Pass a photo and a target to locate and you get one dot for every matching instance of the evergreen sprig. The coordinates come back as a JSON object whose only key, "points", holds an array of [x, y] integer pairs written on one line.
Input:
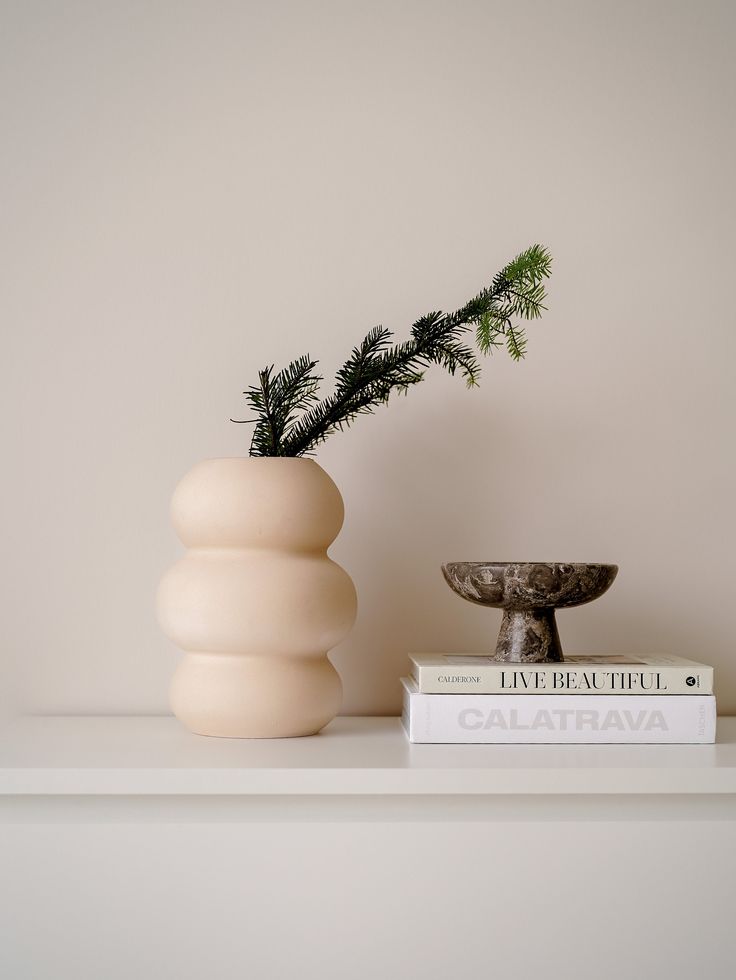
{"points": [[277, 399], [290, 420]]}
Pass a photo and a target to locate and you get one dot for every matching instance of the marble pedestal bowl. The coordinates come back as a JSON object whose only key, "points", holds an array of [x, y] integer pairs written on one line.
{"points": [[528, 593]]}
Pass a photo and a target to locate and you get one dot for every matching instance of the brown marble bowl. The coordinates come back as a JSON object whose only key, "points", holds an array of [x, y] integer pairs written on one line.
{"points": [[529, 593]]}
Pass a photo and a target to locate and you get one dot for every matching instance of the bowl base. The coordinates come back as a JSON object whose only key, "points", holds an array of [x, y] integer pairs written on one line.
{"points": [[529, 637]]}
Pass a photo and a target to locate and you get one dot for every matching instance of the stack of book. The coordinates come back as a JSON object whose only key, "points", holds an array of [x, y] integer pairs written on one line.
{"points": [[458, 698]]}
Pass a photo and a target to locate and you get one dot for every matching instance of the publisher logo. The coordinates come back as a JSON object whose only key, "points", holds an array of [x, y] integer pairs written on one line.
{"points": [[691, 681]]}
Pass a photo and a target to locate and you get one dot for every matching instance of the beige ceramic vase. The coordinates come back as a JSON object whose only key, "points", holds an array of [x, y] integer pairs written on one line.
{"points": [[256, 603]]}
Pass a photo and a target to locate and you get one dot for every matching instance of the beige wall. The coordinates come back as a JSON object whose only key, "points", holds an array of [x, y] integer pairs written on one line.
{"points": [[191, 191]]}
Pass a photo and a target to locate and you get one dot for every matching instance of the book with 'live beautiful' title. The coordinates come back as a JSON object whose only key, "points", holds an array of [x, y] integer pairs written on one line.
{"points": [[438, 673]]}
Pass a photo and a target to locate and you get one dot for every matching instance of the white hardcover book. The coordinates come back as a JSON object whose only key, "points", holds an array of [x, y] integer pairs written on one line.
{"points": [[556, 718], [438, 673]]}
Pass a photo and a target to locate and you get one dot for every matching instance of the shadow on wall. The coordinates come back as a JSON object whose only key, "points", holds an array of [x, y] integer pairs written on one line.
{"points": [[415, 498]]}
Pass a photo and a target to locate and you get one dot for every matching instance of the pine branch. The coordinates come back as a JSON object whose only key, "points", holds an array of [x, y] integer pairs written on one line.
{"points": [[290, 421], [358, 392], [277, 400], [515, 342], [518, 291]]}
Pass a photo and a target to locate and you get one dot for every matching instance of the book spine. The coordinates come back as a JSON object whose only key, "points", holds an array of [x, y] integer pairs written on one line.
{"points": [[570, 719], [563, 679]]}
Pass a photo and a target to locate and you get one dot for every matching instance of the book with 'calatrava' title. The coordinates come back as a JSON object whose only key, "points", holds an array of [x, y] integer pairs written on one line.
{"points": [[437, 673], [557, 718]]}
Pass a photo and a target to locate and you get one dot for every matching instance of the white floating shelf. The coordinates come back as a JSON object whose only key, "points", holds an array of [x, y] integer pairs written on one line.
{"points": [[109, 756]]}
